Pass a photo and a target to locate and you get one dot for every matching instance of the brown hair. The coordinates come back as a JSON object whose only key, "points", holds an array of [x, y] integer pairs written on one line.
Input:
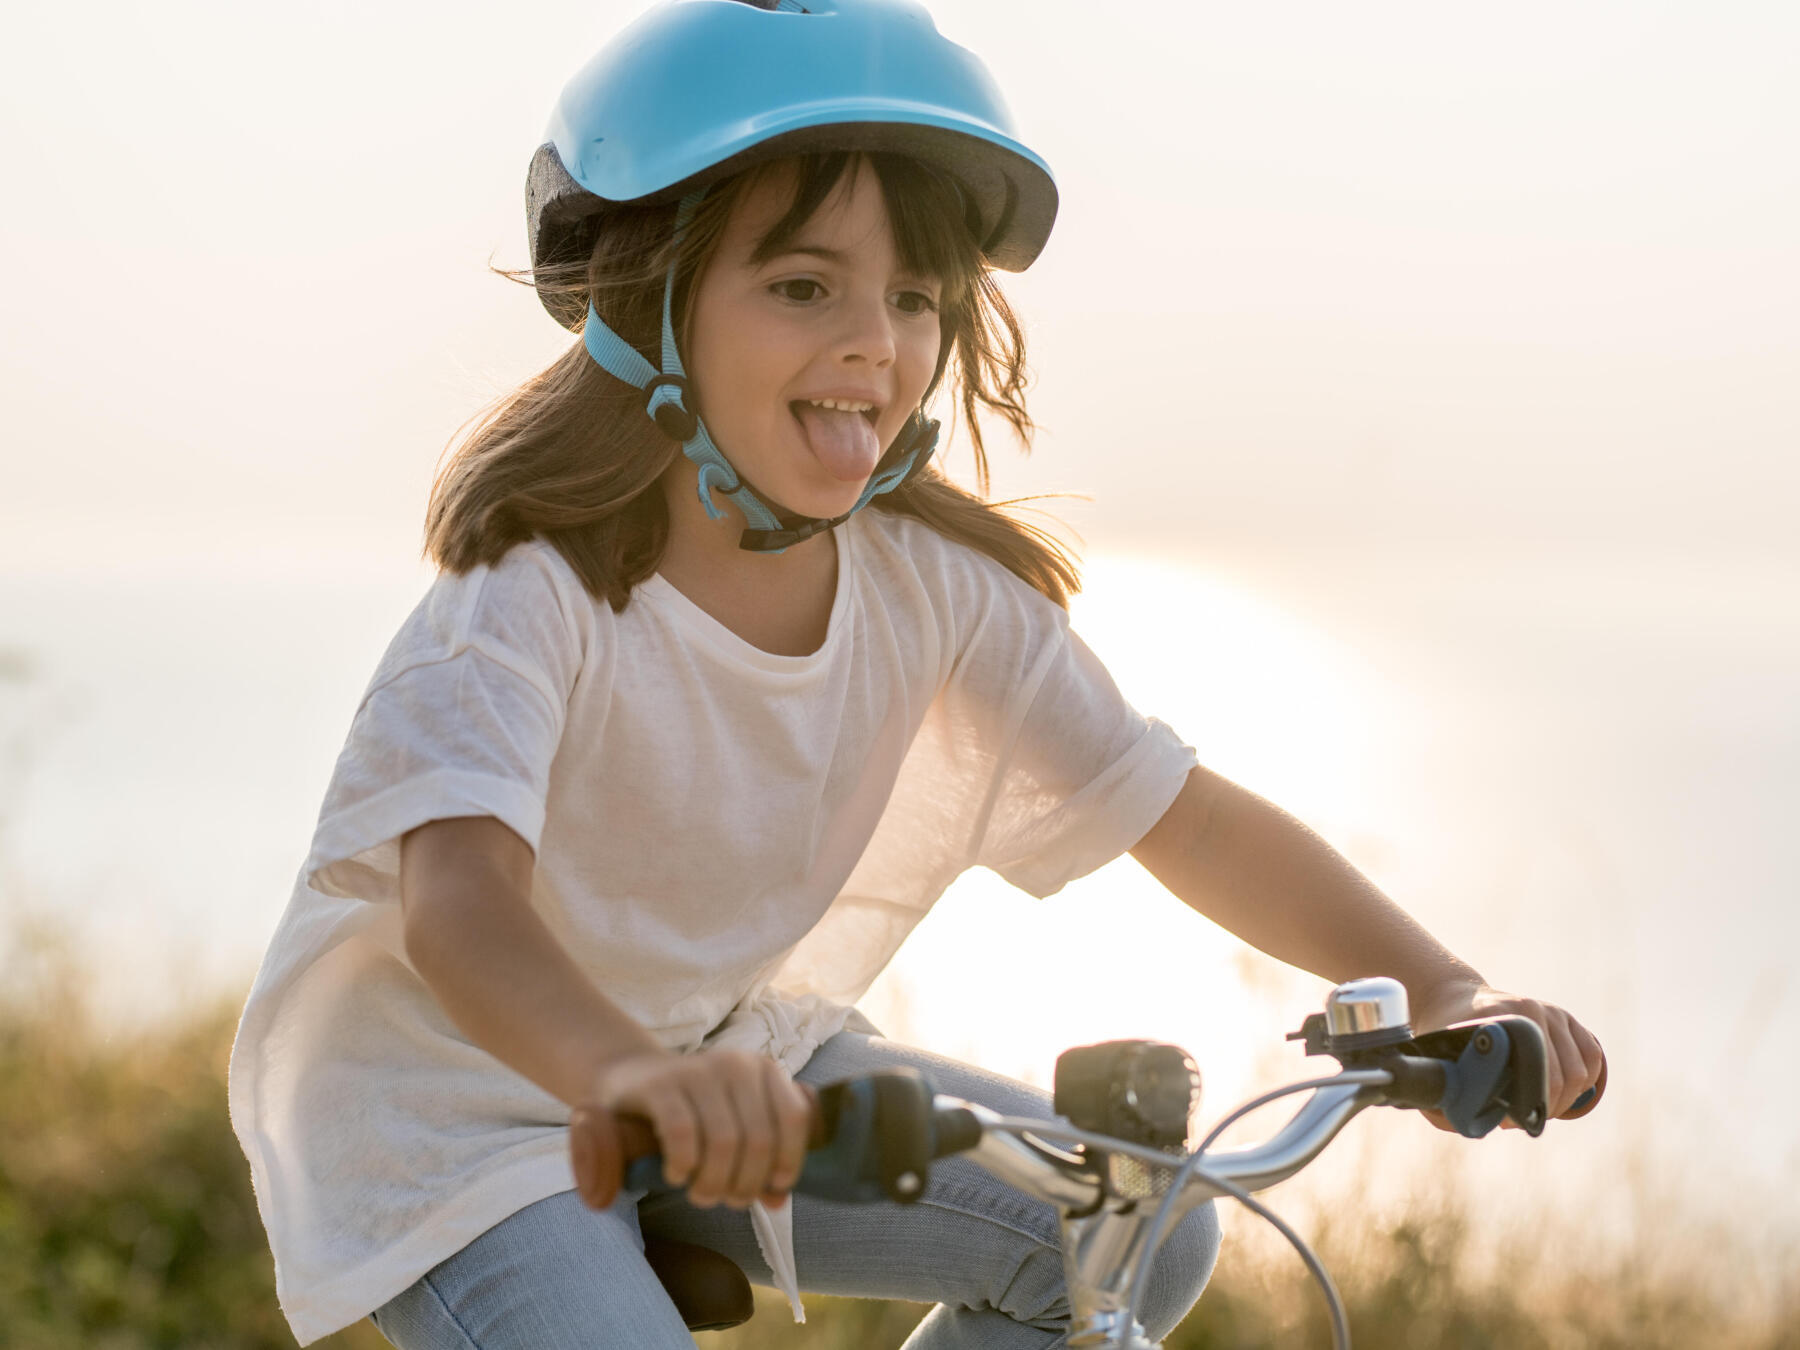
{"points": [[570, 457]]}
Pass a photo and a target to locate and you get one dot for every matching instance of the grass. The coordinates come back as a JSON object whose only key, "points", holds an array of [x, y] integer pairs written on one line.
{"points": [[1417, 1284], [127, 1223]]}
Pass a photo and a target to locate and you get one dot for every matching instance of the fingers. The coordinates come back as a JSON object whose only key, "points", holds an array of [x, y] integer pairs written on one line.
{"points": [[673, 1114], [1575, 1058], [1566, 1072], [1599, 1090], [773, 1116], [739, 1129], [1573, 1061], [793, 1109], [720, 1139], [1586, 1067], [732, 1127], [595, 1156], [752, 1088]]}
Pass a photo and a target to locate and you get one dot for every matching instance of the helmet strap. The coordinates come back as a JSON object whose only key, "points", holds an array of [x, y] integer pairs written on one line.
{"points": [[908, 455], [770, 529]]}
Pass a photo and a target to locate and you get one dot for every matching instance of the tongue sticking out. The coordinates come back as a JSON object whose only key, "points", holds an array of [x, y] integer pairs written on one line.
{"points": [[844, 442]]}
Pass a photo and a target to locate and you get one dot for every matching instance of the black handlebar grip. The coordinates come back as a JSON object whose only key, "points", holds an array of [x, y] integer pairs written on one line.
{"points": [[954, 1130], [1417, 1082]]}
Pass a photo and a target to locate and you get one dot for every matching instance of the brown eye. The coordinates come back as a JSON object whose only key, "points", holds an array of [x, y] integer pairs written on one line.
{"points": [[926, 304], [782, 286]]}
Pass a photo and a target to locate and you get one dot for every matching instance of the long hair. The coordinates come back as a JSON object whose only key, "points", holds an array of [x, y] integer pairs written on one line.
{"points": [[569, 456]]}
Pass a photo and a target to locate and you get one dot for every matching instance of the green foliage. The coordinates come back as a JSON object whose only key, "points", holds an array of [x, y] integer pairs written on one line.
{"points": [[126, 1217], [127, 1223]]}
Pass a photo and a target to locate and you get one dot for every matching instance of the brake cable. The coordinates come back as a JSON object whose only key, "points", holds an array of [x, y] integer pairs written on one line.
{"points": [[1340, 1326]]}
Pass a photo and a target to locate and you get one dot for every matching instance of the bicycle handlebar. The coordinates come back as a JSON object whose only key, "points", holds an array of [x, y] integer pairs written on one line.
{"points": [[875, 1137]]}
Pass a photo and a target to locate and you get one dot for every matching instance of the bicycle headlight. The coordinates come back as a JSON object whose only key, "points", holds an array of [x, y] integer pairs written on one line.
{"points": [[1141, 1091]]}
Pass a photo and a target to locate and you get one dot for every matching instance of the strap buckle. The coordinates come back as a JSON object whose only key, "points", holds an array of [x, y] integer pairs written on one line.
{"points": [[670, 411]]}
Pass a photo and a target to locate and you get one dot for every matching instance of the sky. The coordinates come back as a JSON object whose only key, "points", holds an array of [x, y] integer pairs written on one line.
{"points": [[1426, 372], [1480, 279]]}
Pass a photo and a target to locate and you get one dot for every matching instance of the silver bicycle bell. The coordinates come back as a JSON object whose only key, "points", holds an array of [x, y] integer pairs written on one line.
{"points": [[1367, 1013]]}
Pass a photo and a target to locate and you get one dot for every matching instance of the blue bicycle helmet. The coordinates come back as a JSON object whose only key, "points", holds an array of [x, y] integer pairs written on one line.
{"points": [[696, 90]]}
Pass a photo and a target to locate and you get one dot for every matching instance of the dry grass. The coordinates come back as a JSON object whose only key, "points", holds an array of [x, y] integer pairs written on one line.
{"points": [[126, 1223]]}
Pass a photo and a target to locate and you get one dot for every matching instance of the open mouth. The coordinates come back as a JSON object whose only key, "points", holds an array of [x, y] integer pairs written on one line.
{"points": [[869, 415]]}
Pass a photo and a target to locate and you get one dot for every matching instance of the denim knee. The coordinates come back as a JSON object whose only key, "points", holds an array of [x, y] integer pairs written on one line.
{"points": [[1036, 1293], [1183, 1266]]}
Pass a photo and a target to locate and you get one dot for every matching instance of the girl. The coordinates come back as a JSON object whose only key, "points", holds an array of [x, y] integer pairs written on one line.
{"points": [[720, 686]]}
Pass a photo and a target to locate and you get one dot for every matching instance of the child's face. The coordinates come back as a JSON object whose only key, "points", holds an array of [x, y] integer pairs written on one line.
{"points": [[801, 326]]}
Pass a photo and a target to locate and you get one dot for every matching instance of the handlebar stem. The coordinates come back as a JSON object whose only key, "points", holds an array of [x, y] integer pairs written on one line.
{"points": [[1101, 1253]]}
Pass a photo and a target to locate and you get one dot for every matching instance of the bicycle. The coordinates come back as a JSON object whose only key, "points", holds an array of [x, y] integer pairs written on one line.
{"points": [[1122, 1144]]}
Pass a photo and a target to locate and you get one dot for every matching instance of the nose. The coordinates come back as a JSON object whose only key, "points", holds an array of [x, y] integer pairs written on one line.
{"points": [[867, 333]]}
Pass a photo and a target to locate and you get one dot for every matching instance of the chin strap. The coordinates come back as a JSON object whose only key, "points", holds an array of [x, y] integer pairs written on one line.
{"points": [[771, 529], [911, 451]]}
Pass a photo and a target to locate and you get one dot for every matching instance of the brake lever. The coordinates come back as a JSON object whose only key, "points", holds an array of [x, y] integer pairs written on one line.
{"points": [[1500, 1068]]}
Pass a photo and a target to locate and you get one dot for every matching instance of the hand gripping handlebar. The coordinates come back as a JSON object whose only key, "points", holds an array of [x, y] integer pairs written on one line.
{"points": [[873, 1138]]}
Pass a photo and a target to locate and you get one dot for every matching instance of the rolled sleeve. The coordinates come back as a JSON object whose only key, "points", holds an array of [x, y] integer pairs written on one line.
{"points": [[1085, 778], [463, 719]]}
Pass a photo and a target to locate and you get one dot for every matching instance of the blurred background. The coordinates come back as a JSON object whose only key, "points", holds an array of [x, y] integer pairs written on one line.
{"points": [[1427, 375]]}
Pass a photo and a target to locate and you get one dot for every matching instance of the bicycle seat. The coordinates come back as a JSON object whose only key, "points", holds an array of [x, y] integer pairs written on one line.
{"points": [[708, 1289]]}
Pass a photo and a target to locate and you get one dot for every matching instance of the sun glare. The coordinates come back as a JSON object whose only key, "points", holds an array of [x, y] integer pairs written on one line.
{"points": [[1008, 982]]}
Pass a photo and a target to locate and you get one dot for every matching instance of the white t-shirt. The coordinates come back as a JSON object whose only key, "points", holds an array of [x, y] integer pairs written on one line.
{"points": [[730, 843]]}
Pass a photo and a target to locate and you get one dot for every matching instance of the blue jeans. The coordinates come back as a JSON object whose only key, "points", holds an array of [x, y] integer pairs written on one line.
{"points": [[559, 1276]]}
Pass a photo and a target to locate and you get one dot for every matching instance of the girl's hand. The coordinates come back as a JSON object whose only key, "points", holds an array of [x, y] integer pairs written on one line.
{"points": [[1575, 1060], [732, 1126]]}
